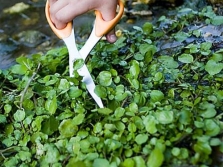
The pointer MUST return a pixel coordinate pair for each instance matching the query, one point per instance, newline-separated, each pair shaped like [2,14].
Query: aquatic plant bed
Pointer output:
[163,104]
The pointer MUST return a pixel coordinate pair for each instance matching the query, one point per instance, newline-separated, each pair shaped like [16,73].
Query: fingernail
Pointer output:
[112,38]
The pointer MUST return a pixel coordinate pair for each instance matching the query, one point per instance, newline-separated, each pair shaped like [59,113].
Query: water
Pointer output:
[12,43]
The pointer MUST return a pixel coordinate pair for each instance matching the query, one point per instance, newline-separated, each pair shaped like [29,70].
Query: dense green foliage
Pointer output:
[161,108]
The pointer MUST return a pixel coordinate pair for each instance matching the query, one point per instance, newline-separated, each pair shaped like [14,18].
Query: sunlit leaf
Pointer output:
[150,124]
[186,58]
[213,67]
[128,162]
[156,158]
[51,105]
[139,161]
[156,95]
[164,117]
[19,69]
[99,162]
[78,64]
[104,111]
[147,28]
[19,115]
[68,128]
[134,69]
[105,78]
[78,119]
[75,92]
[141,138]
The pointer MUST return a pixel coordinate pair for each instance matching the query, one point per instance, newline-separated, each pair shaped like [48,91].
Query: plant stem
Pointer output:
[27,86]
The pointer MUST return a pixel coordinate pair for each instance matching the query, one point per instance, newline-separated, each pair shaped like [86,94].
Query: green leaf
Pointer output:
[64,85]
[100,91]
[7,108]
[85,144]
[139,56]
[78,64]
[28,104]
[75,92]
[164,117]
[156,95]
[73,163]
[213,67]
[99,162]
[134,69]
[156,158]
[105,78]
[97,127]
[105,111]
[139,161]
[2,119]
[208,110]
[128,162]
[181,36]
[144,48]
[211,127]
[186,58]
[19,115]
[112,144]
[51,105]
[50,125]
[79,119]
[141,138]
[24,156]
[215,142]
[147,28]
[68,128]
[175,151]
[52,153]
[19,69]
[119,112]
[168,62]
[217,20]
[13,161]
[150,124]
[135,83]
[202,148]
[132,127]
[205,46]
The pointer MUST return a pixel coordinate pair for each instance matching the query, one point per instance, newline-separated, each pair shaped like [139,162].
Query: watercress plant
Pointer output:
[162,108]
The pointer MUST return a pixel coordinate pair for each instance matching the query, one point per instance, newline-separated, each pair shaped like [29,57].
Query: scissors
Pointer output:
[100,28]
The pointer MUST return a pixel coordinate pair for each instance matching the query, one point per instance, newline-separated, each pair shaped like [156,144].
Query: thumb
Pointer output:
[108,11]
[111,37]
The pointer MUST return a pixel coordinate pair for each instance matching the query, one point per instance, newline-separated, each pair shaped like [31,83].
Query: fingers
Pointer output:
[108,11]
[64,11]
[55,6]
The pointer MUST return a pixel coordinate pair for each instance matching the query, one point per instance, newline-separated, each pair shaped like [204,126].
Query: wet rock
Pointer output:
[17,8]
[30,38]
[216,1]
[162,2]
[6,55]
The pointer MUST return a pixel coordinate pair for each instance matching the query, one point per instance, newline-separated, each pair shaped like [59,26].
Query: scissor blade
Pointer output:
[90,43]
[87,79]
[83,71]
[72,50]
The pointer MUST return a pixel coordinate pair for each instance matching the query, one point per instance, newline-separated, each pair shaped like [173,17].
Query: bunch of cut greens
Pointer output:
[162,108]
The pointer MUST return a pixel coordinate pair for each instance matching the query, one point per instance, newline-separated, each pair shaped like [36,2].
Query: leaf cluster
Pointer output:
[161,109]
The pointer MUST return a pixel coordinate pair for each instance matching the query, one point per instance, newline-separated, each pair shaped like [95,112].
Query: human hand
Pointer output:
[64,11]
